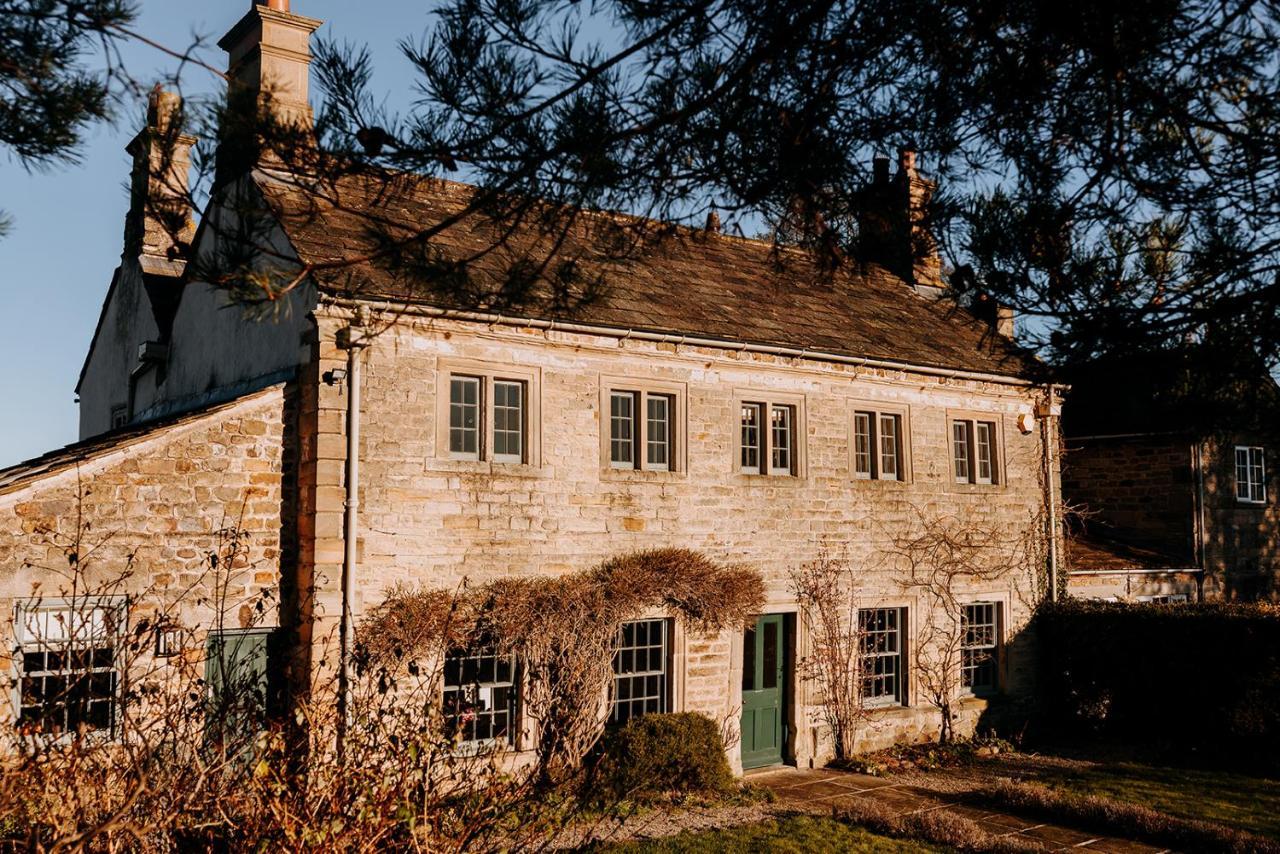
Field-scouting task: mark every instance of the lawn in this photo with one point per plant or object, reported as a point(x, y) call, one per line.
point(1248, 803)
point(796, 834)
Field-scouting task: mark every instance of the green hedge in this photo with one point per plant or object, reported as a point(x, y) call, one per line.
point(1200, 676)
point(655, 756)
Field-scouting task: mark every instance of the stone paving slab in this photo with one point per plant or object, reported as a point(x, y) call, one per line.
point(826, 789)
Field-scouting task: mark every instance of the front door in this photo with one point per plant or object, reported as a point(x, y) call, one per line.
point(763, 680)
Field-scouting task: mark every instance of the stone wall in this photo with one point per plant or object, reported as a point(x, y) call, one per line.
point(1136, 490)
point(1242, 541)
point(434, 521)
point(138, 519)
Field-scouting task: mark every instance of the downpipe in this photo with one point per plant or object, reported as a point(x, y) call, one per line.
point(352, 339)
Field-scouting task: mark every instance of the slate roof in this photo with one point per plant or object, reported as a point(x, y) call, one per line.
point(691, 282)
point(18, 475)
point(1091, 553)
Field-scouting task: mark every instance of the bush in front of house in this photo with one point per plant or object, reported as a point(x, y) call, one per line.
point(1199, 676)
point(656, 756)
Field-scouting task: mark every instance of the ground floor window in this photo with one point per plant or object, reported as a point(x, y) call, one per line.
point(480, 696)
point(640, 670)
point(980, 648)
point(70, 671)
point(881, 660)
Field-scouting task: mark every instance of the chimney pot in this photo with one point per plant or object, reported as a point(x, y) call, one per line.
point(713, 222)
point(277, 5)
point(907, 159)
point(880, 169)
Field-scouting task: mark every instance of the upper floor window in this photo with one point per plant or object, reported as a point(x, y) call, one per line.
point(641, 675)
point(1251, 475)
point(488, 413)
point(881, 655)
point(980, 647)
point(878, 446)
point(975, 451)
point(643, 425)
point(769, 437)
point(480, 693)
point(69, 677)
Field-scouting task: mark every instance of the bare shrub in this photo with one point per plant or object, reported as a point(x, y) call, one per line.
point(947, 558)
point(938, 826)
point(828, 603)
point(197, 763)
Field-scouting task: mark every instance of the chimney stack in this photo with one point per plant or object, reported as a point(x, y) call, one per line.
point(269, 56)
point(894, 222)
point(159, 228)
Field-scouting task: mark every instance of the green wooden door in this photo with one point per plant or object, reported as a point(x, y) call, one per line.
point(763, 681)
point(237, 673)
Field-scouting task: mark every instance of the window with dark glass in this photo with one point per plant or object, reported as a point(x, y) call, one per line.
point(640, 670)
point(641, 430)
point(464, 417)
point(877, 446)
point(979, 647)
point(750, 447)
point(488, 418)
point(69, 678)
point(881, 655)
point(974, 451)
point(480, 696)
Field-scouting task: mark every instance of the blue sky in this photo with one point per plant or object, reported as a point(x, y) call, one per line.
point(56, 262)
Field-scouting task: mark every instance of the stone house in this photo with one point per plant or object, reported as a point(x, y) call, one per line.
point(1173, 509)
point(710, 397)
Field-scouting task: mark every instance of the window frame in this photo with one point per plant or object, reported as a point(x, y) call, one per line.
point(489, 375)
point(666, 682)
point(994, 649)
point(641, 392)
point(901, 695)
point(970, 421)
point(874, 411)
point(22, 646)
point(511, 737)
point(765, 403)
point(1248, 469)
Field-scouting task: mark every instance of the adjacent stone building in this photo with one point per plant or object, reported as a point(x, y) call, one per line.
point(1171, 506)
point(716, 395)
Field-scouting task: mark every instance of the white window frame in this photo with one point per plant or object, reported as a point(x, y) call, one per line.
point(898, 655)
point(875, 414)
point(33, 616)
point(662, 697)
point(973, 424)
point(1254, 470)
point(765, 404)
point(751, 464)
point(992, 647)
point(488, 376)
point(482, 692)
point(642, 391)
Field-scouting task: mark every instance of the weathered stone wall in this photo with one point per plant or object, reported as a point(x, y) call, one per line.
point(140, 518)
point(430, 520)
point(1136, 490)
point(1242, 541)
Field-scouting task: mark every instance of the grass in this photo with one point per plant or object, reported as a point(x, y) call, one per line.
point(1235, 800)
point(793, 834)
point(1121, 818)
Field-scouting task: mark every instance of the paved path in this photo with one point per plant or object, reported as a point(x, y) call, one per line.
point(823, 789)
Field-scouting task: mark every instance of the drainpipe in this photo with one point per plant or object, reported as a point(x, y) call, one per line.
point(352, 340)
point(1201, 538)
point(1048, 437)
